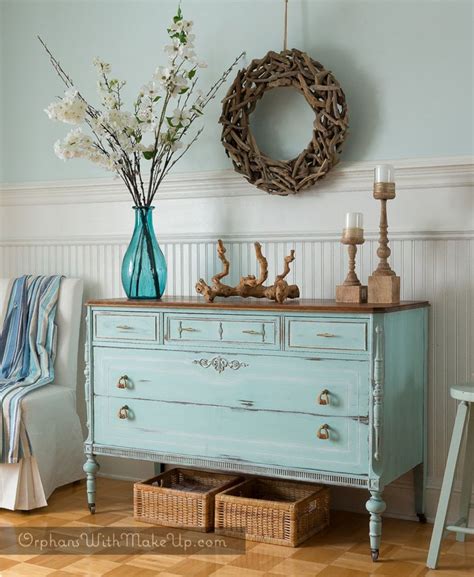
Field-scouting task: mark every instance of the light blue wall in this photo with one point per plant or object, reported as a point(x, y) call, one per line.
point(406, 68)
point(2, 87)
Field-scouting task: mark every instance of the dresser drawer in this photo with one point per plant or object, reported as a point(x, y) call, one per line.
point(225, 330)
point(262, 437)
point(323, 334)
point(125, 327)
point(254, 383)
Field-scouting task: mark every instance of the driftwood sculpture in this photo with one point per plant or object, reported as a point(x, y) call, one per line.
point(250, 286)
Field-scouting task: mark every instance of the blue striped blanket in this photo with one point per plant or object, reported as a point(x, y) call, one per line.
point(27, 353)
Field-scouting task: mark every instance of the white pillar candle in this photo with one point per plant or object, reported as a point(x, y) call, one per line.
point(384, 173)
point(354, 220)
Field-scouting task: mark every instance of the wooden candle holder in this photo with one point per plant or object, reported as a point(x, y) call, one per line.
point(384, 284)
point(352, 291)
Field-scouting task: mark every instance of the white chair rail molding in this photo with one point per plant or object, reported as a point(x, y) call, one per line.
point(236, 288)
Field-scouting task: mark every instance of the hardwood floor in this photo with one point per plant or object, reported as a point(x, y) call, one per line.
point(340, 551)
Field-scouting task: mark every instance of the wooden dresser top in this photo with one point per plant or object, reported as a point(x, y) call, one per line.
point(237, 303)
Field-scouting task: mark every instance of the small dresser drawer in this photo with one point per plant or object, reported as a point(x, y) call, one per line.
point(228, 330)
point(125, 327)
point(322, 334)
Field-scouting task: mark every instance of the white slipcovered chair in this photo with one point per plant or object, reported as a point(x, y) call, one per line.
point(49, 415)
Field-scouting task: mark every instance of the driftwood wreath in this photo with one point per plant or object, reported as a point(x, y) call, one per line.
point(322, 92)
point(250, 286)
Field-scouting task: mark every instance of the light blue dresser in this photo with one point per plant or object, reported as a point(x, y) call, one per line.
point(307, 390)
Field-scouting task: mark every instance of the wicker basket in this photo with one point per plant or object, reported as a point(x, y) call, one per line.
point(180, 498)
point(278, 512)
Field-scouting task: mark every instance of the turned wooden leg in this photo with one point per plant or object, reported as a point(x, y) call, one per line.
point(91, 466)
point(419, 473)
point(375, 506)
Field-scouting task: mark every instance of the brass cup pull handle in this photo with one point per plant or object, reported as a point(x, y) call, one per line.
point(326, 335)
point(122, 382)
point(124, 328)
point(323, 432)
point(323, 397)
point(123, 412)
point(189, 330)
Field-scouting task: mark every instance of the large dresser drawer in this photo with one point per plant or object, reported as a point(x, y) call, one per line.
point(241, 381)
point(125, 327)
point(325, 334)
point(262, 437)
point(235, 331)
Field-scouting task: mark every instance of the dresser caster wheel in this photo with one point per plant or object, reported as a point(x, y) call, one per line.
point(421, 518)
point(375, 554)
point(92, 508)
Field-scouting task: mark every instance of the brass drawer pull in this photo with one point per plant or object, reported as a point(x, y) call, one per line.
point(122, 382)
point(123, 412)
point(182, 329)
point(256, 333)
point(323, 397)
point(125, 327)
point(326, 335)
point(323, 432)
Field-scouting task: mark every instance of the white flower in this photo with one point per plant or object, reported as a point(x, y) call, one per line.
point(101, 66)
point(202, 64)
point(145, 116)
point(172, 82)
point(186, 53)
point(175, 27)
point(98, 124)
point(164, 75)
point(121, 121)
point(181, 26)
point(181, 117)
point(186, 25)
point(169, 139)
point(71, 109)
point(75, 145)
point(104, 160)
point(177, 85)
point(110, 101)
point(173, 49)
point(151, 90)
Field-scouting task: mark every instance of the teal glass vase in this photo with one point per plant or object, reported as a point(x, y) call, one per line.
point(144, 267)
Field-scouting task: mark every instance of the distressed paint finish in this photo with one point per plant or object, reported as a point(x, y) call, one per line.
point(178, 377)
point(294, 394)
point(378, 390)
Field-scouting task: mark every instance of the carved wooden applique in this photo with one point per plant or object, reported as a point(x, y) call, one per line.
point(250, 286)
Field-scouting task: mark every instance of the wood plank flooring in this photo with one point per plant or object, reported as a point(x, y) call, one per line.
point(340, 551)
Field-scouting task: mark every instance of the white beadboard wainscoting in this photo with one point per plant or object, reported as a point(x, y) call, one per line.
point(82, 229)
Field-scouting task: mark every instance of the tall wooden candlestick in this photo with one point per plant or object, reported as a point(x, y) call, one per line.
point(351, 291)
point(384, 284)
